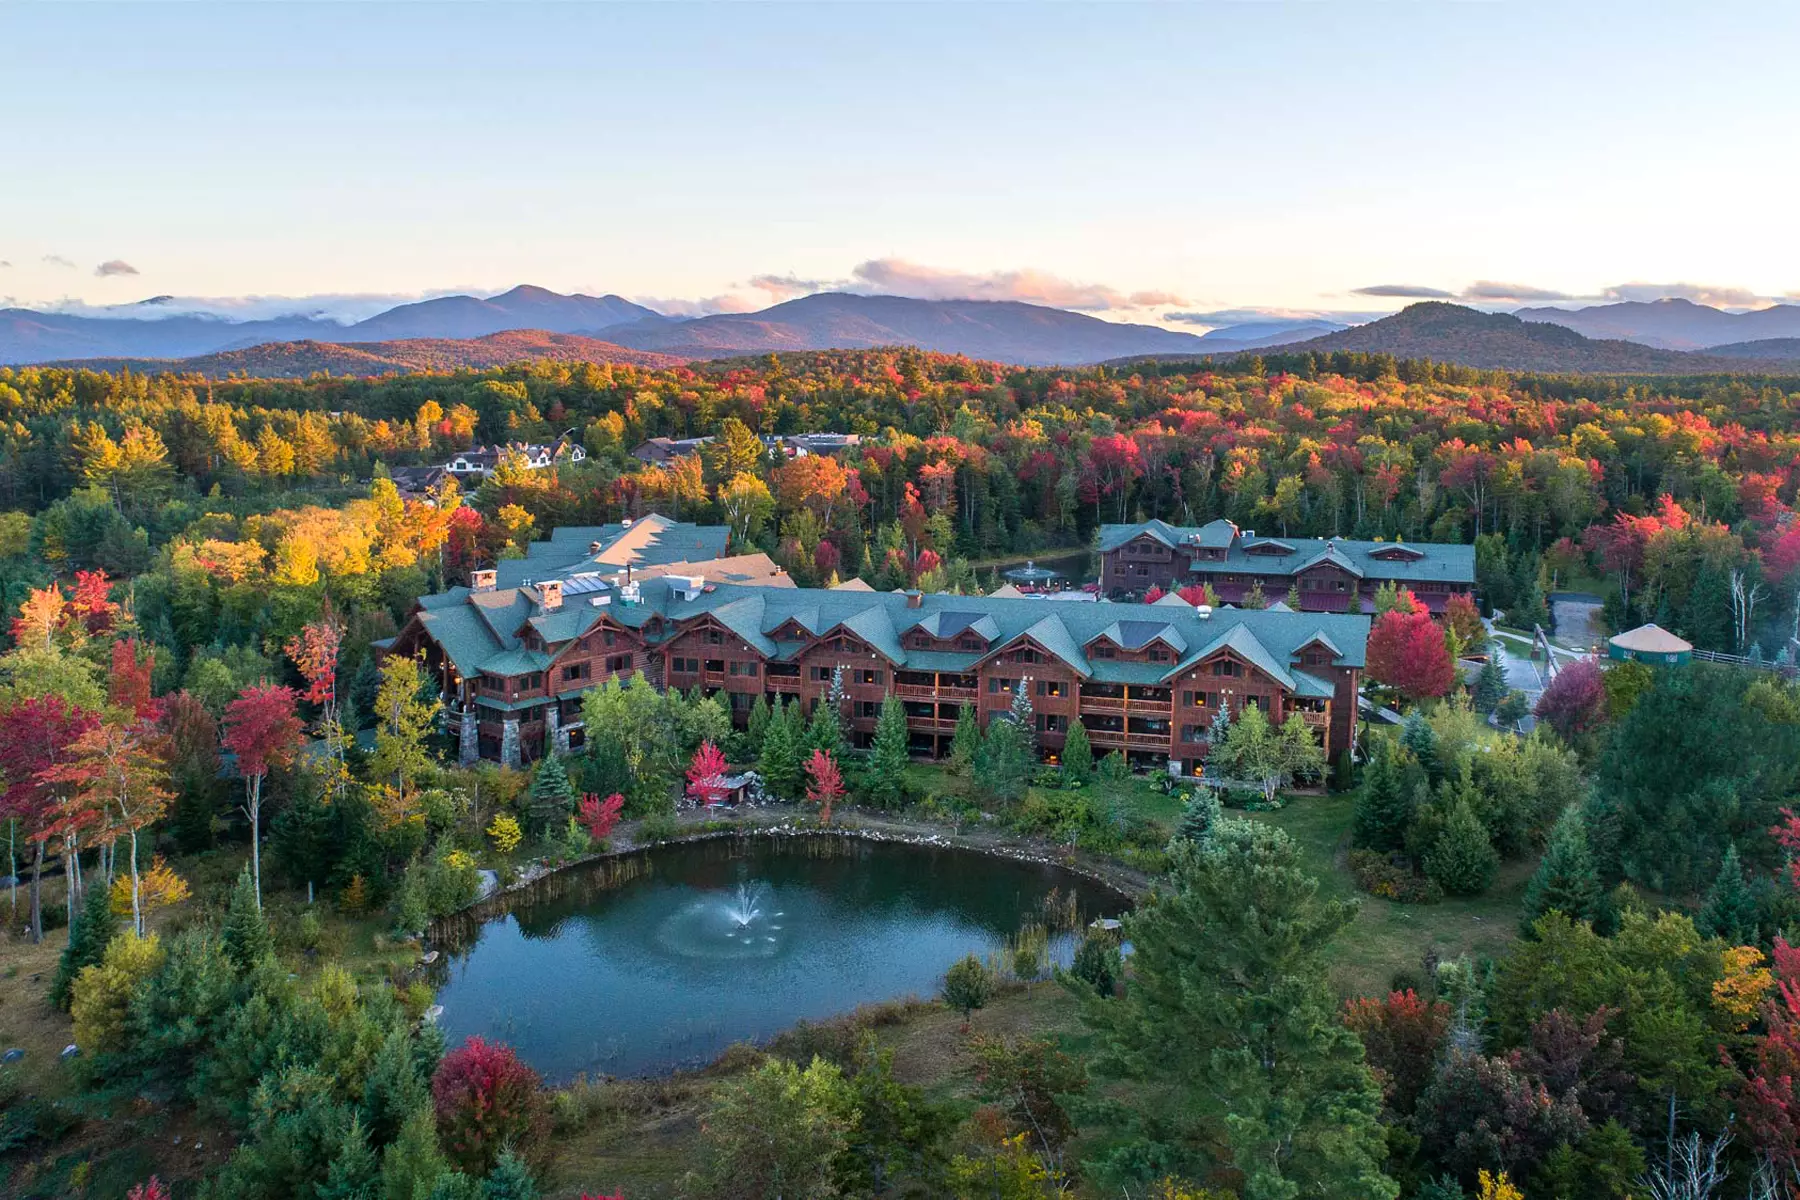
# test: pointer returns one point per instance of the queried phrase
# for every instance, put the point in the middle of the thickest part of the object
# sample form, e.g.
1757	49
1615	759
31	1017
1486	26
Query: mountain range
451	331
1452	333
1026	334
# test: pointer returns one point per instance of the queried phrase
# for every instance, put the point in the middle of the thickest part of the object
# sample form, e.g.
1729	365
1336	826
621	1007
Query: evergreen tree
1732	910
888	755
245	934
394	1088
552	795
1490	682
1218	732
1200	816
757	727
412	1163
1462	861
1293	597
1005	763
510	1179
1421	741
826	732
1254	598
1707	618
1263	1079
1384	807
354	1172
1077	754
303	838
1532	607
89	936
1566	880
966	745
1022	715
781	761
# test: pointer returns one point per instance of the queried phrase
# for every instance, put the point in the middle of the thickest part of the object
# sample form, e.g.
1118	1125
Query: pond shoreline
792	820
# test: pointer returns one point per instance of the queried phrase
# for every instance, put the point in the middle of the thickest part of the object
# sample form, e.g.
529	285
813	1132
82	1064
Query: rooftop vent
687	587
1203	611
626	523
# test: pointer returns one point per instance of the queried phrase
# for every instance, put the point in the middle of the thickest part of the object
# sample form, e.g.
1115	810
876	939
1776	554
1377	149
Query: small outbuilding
1649	644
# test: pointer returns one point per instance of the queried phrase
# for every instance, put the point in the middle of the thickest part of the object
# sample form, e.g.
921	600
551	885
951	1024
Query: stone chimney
482	581
915	599
550	594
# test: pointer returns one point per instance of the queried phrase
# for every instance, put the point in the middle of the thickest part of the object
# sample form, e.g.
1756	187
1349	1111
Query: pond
659	960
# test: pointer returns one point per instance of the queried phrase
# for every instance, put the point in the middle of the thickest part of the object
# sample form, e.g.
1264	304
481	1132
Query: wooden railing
782	683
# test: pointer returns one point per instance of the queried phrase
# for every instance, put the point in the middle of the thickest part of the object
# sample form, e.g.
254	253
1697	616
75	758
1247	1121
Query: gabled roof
515	662
1114	536
1330	554
1262	543
1418	560
874	626
1134	635
1214	535
1054	636
1247	646
1323	639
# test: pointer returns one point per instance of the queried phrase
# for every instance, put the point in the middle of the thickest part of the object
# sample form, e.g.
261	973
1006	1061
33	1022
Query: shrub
485	1099
1098	962
102	994
968	985
1462	860
779	1131
1391	877
658	827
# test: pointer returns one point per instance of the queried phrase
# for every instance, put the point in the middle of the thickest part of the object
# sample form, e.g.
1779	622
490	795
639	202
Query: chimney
550	594
915	598
593	547
482	581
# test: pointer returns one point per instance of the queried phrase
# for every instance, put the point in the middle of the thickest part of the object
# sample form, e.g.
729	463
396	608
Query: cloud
4	265
899	277
57	260
1404	291
114	266
788	287
1699	293
1486	291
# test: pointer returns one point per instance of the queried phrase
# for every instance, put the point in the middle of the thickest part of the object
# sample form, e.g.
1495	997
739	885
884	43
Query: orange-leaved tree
114	779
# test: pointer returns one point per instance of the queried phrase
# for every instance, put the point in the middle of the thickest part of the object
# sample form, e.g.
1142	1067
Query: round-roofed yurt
1649	644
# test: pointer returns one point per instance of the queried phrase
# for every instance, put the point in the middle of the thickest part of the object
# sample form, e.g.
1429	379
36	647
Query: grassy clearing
1386	937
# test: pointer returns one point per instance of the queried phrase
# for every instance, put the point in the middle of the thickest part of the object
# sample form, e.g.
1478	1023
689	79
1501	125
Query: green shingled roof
1437	560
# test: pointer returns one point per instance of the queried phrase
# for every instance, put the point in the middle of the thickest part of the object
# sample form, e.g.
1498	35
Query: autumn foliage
485	1100
599	816
827	783
1407	653
706	776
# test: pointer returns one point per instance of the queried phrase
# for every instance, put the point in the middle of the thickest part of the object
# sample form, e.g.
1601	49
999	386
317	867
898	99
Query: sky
1187	163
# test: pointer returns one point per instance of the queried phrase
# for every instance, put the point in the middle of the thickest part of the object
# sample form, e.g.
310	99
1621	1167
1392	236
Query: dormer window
1104	650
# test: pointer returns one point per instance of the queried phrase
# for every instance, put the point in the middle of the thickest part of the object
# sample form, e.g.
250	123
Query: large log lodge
1331	575
515	651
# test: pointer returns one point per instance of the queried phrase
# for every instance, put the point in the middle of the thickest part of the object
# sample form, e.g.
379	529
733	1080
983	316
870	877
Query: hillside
1451	333
1005	331
1672	324
299	359
28	336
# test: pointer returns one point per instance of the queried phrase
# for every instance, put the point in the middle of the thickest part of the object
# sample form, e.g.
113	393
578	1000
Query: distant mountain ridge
1672	324
28	336
1001	330
1452	333
298	359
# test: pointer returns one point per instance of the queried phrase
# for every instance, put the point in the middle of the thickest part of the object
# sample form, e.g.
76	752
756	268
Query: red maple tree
152	1188
485	1099
263	731
827	786
35	735
92	602
315	653
1575	701
1769	1099
599	816
128	687
706	776
1407	653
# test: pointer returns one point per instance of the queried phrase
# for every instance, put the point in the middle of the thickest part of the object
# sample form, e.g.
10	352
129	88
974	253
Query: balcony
1103	704
782	683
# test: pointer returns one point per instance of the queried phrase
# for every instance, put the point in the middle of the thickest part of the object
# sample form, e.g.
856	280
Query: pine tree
412	1162
1384	807
757	727
93	930
1420	739
1022	715
509	1180
1254	598
966	744
1490	682
1463	860
826	732
354	1171
1566	880
1731	910
886	780
1200	817
1263	1074
1077	755
1004	765
1293	596
245	934
552	795
781	759
1218	732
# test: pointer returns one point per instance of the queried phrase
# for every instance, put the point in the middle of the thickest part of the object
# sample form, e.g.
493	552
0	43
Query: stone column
509	740
555	736
468	739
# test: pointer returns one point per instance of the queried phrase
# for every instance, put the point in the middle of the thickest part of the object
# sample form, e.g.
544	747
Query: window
714	638
875	678
997	684
1104	650
576	671
1052	723
715	666
747	669
1225	667
1141	569
618	664
1193	733
533	680
867	710
1158	654
821	674
1050	687
685	666
1026	656
968	643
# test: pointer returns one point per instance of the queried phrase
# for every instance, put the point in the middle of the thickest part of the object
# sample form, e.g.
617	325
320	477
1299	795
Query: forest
228	820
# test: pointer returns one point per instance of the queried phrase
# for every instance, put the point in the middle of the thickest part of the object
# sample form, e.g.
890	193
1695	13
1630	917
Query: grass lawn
1387	937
